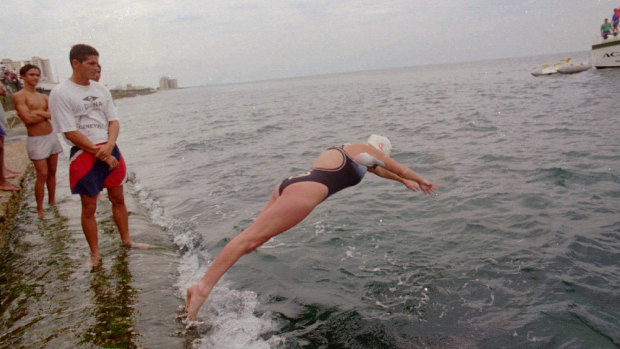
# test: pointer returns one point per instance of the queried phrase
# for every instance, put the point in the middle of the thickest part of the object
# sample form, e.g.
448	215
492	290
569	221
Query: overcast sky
202	42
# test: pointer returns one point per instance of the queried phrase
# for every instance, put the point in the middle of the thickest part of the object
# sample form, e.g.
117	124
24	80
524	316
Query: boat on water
606	54
565	66
546	69
573	68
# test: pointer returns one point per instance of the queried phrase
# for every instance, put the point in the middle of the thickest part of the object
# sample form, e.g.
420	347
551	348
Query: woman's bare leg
275	194
286	211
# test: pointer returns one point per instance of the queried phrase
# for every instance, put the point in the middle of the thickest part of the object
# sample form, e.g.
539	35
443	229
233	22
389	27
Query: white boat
545	70
548	69
572	68
606	54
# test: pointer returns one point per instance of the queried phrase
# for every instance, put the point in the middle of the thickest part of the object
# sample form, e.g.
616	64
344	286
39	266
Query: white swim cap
382	143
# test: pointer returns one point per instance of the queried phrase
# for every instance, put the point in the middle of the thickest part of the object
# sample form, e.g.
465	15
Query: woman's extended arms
381	172
386	167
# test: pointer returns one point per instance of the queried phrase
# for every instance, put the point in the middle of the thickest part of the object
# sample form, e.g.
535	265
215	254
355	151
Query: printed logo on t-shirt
86	121
92	103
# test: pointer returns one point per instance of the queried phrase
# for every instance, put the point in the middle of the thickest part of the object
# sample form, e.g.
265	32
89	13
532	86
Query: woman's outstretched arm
386	167
382	172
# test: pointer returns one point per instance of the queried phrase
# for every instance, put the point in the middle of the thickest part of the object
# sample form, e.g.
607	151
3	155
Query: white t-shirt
87	109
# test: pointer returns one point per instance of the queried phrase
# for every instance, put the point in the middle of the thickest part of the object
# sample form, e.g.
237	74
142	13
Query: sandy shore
16	158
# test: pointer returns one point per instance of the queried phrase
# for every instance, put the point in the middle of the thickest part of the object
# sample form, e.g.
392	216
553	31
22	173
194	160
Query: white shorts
42	147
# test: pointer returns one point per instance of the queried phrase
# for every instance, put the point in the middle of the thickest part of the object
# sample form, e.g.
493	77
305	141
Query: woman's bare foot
41	213
9	175
8	186
194	301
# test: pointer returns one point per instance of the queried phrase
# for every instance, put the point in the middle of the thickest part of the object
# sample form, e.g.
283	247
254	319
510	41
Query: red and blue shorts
88	175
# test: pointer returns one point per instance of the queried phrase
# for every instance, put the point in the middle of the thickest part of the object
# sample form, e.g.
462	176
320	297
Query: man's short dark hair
24	69
81	52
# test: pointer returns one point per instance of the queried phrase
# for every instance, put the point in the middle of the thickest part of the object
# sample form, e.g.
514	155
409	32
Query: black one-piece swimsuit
347	175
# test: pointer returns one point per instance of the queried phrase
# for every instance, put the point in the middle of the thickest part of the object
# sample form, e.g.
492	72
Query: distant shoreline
7	101
118	94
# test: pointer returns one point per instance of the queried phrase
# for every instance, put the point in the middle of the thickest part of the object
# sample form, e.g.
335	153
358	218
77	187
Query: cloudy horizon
244	40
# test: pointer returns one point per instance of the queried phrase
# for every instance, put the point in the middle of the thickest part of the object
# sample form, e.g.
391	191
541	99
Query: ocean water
519	249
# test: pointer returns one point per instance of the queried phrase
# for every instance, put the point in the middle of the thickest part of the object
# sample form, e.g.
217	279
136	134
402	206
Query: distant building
10	64
43	64
130	91
165	83
46	68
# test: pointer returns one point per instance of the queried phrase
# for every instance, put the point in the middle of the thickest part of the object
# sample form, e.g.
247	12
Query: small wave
233	316
319	326
566	177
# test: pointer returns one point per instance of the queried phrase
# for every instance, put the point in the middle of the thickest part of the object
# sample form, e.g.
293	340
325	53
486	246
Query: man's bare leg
89	226
41	169
121	217
52	164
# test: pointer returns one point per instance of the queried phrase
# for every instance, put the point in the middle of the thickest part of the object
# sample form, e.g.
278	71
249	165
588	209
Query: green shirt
606	27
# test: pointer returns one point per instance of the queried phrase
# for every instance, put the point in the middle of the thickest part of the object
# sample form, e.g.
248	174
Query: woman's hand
413	185
428	188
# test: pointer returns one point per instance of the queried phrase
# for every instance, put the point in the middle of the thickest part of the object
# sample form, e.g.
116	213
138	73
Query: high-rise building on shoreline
166	83
43	64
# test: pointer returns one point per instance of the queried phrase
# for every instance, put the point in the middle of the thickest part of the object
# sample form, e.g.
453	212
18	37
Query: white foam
230	314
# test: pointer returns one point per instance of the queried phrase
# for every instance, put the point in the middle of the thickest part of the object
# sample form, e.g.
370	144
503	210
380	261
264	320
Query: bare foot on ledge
8	173
8	186
93	261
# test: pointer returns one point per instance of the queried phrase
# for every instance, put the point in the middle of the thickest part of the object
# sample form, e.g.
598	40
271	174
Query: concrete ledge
15	158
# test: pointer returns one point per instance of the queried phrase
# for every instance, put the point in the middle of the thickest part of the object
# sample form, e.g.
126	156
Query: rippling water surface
519	249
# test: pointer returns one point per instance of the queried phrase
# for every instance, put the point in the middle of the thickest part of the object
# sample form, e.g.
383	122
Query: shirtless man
42	144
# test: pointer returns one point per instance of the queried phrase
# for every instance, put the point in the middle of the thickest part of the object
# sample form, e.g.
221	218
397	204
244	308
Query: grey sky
201	42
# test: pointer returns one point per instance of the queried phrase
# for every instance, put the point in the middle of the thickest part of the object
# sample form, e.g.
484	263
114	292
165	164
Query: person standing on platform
605	29
83	111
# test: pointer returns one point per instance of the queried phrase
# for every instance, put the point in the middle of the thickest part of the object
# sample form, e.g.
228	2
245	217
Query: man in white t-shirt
83	111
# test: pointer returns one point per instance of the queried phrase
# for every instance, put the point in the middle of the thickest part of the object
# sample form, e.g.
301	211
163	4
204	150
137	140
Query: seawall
51	298
15	158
